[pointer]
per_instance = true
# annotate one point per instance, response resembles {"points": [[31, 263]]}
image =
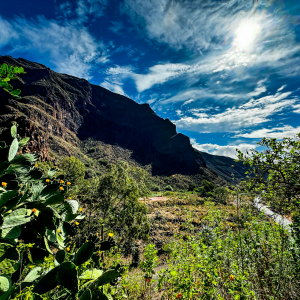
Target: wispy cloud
{"points": [[166, 21], [73, 50], [250, 114], [229, 150], [276, 132]]}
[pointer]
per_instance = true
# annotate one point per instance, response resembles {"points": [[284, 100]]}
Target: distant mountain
{"points": [[65, 115], [225, 167]]}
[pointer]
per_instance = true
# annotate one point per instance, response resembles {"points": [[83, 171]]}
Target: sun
{"points": [[246, 34]]}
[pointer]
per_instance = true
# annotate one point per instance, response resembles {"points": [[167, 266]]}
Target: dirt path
{"points": [[154, 199]]}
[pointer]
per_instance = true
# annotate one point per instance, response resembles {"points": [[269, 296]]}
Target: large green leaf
{"points": [[47, 282], [15, 218], [71, 206], [37, 255], [5, 283], [87, 295], [91, 274], [13, 149], [84, 253], [50, 190], [67, 277], [4, 197], [107, 277], [56, 199], [11, 233], [60, 256], [33, 274]]}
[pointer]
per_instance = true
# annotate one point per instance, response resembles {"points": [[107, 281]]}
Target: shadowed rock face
{"points": [[59, 111]]}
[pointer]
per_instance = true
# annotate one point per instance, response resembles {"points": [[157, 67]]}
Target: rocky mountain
{"points": [[61, 113], [225, 167]]}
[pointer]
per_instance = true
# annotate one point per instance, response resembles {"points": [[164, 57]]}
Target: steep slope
{"points": [[224, 166], [59, 112]]}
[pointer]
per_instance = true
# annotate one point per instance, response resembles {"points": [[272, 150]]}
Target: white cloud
{"points": [[277, 132], [72, 50], [281, 88], [113, 87], [259, 90], [158, 74], [166, 21], [297, 109], [229, 150], [250, 114]]}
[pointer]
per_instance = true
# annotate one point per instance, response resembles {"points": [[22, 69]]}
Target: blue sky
{"points": [[227, 72]]}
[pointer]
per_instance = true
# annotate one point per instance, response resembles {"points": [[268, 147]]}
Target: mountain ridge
{"points": [[60, 111]]}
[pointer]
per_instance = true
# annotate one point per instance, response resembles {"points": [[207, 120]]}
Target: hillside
{"points": [[65, 115]]}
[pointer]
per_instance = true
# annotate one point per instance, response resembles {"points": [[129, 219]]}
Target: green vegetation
{"points": [[70, 233], [37, 254]]}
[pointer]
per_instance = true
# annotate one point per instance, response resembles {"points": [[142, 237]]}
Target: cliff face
{"points": [[59, 111]]}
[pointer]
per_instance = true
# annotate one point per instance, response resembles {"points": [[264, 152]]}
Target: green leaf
{"points": [[84, 253], [107, 277], [23, 142], [13, 131], [47, 245], [9, 256], [67, 277], [11, 233], [13, 149], [99, 295], [7, 196], [5, 283], [60, 256], [49, 190], [47, 282], [16, 92], [91, 274], [33, 274], [15, 218], [37, 255], [24, 159], [56, 199], [60, 239], [72, 206], [87, 295]]}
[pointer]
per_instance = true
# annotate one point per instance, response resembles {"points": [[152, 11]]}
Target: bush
{"points": [[168, 188]]}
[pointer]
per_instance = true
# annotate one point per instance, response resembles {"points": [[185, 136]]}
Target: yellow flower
{"points": [[30, 267], [61, 188], [80, 208], [76, 223], [69, 198], [68, 183], [58, 230], [231, 277], [47, 180], [110, 234], [58, 286], [61, 181], [68, 249], [36, 165], [4, 184], [34, 210]]}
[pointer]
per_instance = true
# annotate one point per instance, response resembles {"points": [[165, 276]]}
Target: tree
{"points": [[275, 172], [115, 205]]}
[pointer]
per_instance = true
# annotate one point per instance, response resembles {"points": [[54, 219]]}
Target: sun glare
{"points": [[246, 34]]}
